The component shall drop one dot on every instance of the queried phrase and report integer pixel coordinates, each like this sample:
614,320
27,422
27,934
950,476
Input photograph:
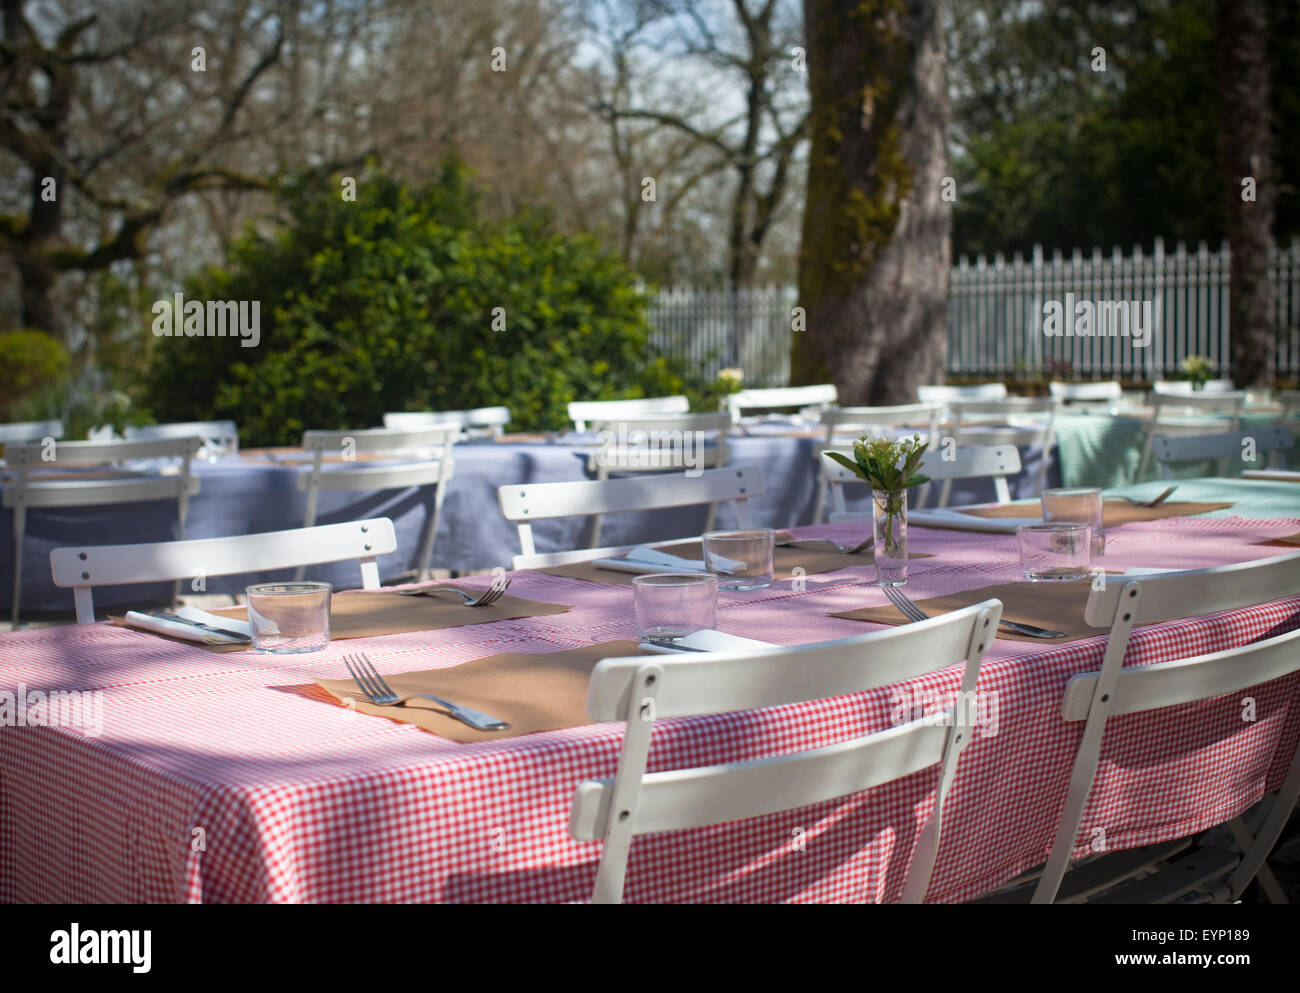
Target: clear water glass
672,605
1078,505
742,560
1056,551
288,618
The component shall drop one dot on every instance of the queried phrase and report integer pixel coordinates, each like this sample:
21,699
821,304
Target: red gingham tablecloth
215,779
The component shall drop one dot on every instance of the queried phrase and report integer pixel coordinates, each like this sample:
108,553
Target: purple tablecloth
239,496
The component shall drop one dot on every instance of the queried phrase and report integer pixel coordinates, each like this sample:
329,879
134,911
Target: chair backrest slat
380,440
1168,684
948,394
1085,392
220,434
539,501
84,453
85,567
1230,444
27,431
583,411
782,396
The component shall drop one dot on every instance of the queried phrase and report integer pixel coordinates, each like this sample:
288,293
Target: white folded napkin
644,559
162,625
955,519
708,640
1280,475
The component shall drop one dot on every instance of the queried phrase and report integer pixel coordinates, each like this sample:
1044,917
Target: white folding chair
582,411
1290,402
1182,386
1225,402
1234,445
1094,697
995,462
641,690
430,448
524,503
842,421
83,568
658,443
785,396
218,437
948,394
1010,421
25,492
488,421
18,432
1087,393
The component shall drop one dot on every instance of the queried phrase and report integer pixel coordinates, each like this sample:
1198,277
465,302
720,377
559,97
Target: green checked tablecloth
1101,449
1255,499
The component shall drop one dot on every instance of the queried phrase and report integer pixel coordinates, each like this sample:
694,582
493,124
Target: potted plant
888,466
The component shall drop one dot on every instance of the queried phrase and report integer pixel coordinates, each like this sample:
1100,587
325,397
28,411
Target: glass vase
889,519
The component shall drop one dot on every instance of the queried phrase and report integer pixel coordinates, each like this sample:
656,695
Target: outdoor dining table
231,777
257,491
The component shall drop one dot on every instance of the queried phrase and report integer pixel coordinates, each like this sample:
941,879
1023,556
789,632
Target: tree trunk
1245,160
876,250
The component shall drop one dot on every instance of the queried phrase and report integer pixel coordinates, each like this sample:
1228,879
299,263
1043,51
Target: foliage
876,461
409,299
30,363
713,396
1196,369
1050,150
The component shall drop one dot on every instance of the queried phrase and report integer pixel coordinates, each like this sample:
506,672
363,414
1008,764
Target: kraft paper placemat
1057,606
1114,512
531,692
1290,540
813,557
364,614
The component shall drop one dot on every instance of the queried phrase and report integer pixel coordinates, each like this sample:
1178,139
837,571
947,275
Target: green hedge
388,303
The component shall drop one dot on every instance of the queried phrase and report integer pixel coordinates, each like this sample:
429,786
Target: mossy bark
1246,150
876,248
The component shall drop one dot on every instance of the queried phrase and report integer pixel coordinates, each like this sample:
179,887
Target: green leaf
848,463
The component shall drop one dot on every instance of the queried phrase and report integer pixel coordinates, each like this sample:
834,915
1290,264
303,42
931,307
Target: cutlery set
1152,503
488,596
381,694
914,613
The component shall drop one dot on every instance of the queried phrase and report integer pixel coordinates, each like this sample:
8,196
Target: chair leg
819,512
308,520
1266,837
602,473
1146,457
426,551
1264,875
20,528
711,518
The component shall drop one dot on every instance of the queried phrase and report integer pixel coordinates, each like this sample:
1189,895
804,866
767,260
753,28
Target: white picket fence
996,317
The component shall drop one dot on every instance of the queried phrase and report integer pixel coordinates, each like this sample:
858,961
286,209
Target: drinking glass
742,560
288,618
672,605
1056,551
1078,505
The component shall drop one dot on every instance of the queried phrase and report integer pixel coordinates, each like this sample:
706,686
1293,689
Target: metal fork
1152,503
373,686
914,613
860,546
490,595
